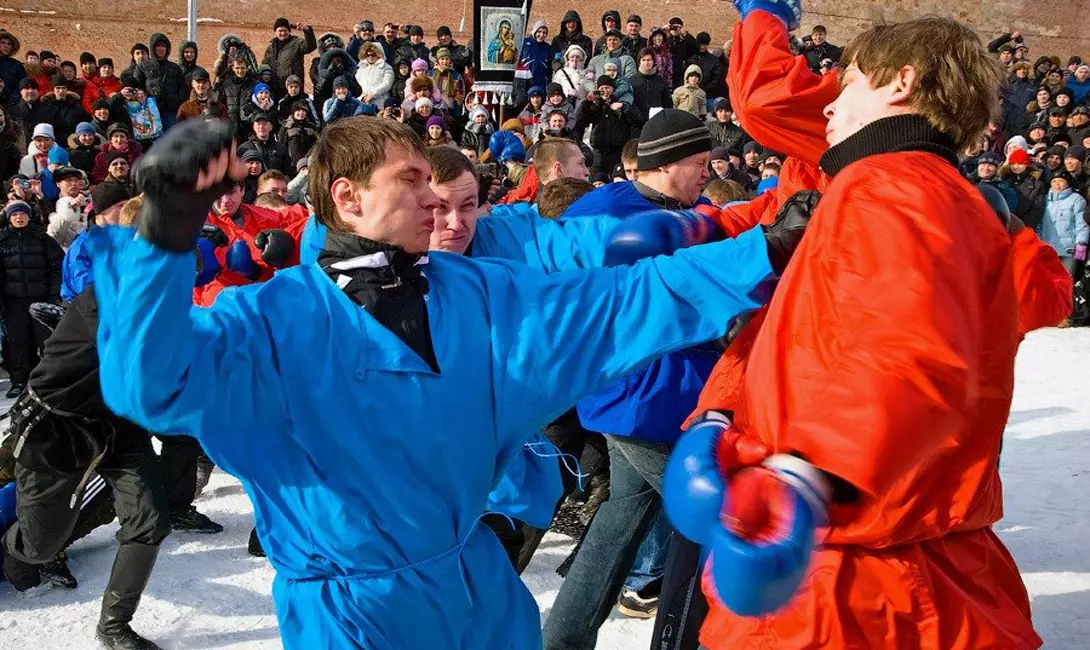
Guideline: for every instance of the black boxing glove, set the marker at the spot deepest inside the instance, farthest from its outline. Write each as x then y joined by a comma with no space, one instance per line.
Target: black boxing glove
995,199
276,247
214,235
785,233
174,211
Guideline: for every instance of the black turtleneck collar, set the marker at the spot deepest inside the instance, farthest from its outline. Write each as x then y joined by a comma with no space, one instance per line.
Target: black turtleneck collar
658,198
387,282
890,135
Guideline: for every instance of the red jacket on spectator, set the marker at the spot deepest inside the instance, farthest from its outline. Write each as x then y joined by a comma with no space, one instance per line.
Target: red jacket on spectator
98,88
98,172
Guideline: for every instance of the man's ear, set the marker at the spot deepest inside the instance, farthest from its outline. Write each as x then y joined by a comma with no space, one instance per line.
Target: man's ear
343,192
902,86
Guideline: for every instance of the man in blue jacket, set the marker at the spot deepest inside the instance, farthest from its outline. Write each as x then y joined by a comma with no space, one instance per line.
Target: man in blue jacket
441,365
536,56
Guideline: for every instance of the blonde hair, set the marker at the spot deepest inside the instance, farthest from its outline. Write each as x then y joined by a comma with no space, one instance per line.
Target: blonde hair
957,81
723,190
130,211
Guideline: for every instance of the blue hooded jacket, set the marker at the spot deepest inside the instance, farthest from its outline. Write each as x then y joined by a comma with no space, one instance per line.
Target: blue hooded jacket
368,471
537,57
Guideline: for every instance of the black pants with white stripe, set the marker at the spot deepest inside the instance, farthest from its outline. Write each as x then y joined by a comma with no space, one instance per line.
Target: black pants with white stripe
47,518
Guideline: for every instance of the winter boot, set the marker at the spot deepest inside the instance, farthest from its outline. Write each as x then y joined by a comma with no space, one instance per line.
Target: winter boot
15,391
254,548
21,575
56,572
191,521
132,568
204,473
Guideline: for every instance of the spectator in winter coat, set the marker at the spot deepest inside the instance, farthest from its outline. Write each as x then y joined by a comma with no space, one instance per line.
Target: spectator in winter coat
42,143
235,91
556,100
274,155
295,94
88,72
72,81
460,55
572,77
30,271
12,144
659,42
414,48
571,33
364,32
175,89
145,69
1079,83
326,42
117,140
622,90
12,71
420,85
531,116
820,50
402,73
102,117
713,68
66,109
1031,189
102,85
611,20
613,53
261,103
232,47
1074,157
1079,124
299,133
613,123
341,104
1037,110
187,59
83,146
723,168
682,47
1062,226
374,75
649,89
1057,126
1063,99
118,170
422,111
390,42
725,133
200,98
43,71
451,86
537,54
285,52
1018,92
333,64
987,171
68,219
479,129
690,97
436,134
29,112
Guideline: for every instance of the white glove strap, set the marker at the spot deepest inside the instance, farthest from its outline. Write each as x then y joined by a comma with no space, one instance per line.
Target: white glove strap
712,416
807,479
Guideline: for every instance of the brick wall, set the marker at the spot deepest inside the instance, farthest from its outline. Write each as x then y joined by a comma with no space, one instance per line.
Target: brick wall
99,26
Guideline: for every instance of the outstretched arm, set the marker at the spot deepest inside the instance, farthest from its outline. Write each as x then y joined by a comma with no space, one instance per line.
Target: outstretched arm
516,232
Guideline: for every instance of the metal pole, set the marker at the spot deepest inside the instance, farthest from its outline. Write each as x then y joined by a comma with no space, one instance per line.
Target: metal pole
192,20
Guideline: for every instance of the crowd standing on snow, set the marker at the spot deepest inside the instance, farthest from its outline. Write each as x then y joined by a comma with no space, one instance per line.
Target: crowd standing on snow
72,133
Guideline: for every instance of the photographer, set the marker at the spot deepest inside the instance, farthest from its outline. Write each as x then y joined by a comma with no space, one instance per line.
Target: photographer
613,123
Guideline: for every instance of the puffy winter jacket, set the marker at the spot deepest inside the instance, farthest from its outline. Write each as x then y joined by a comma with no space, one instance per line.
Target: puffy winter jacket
334,109
328,73
98,173
713,73
148,73
375,79
626,65
98,88
31,115
537,57
221,69
565,38
728,135
298,137
12,71
612,128
600,44
572,80
691,98
286,57
30,263
273,154
1031,196
175,88
67,113
188,67
1017,94
1062,226
650,91
67,221
83,157
235,92
326,42
283,108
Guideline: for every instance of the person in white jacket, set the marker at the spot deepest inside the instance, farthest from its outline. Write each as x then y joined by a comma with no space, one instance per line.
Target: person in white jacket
374,75
572,77
69,220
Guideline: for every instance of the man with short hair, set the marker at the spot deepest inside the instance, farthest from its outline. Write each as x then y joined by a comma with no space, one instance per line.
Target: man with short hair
613,122
559,158
413,47
633,42
273,154
201,98
370,186
30,111
682,47
713,68
649,88
390,42
630,159
821,51
460,55
285,52
66,108
273,181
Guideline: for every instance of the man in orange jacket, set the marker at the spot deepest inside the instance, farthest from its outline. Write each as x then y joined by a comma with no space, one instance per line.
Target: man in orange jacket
903,317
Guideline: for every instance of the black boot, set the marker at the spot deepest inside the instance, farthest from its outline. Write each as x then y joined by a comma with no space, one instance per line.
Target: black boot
21,575
56,572
130,574
189,520
254,548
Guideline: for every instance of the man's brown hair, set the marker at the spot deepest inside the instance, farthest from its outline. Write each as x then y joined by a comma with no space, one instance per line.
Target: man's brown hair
270,200
551,150
628,154
957,81
555,197
352,148
722,191
447,164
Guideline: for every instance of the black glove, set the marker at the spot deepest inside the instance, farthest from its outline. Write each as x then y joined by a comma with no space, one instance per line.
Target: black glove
214,235
995,199
276,247
173,212
785,233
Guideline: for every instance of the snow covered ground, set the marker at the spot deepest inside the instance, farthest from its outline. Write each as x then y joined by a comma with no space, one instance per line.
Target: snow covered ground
208,593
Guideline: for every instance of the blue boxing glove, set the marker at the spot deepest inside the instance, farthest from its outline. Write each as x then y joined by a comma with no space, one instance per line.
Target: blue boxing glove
762,551
789,11
497,141
241,261
208,266
7,506
658,232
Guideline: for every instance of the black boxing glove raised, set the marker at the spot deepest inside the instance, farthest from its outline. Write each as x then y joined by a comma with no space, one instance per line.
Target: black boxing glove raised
276,247
785,233
174,208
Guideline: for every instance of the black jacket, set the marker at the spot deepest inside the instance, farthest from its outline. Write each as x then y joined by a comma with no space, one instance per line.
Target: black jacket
600,43
650,91
634,45
564,38
713,73
728,135
460,56
328,73
31,263
274,154
187,67
612,129
67,114
298,138
407,50
175,88
235,93
681,48
815,54
286,57
33,114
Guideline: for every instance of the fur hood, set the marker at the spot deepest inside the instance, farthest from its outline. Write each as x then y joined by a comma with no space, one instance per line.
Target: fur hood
14,41
68,96
159,39
181,50
73,144
228,39
327,61
338,42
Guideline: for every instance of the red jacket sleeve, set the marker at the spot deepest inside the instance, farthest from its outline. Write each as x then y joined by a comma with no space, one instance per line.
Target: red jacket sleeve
778,99
1041,283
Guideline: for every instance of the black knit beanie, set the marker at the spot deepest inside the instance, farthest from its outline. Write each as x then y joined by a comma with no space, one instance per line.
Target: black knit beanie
670,136
86,57
107,195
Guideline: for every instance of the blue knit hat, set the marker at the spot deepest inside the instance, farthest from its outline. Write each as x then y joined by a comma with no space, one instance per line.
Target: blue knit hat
85,127
58,156
261,85
17,206
535,90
